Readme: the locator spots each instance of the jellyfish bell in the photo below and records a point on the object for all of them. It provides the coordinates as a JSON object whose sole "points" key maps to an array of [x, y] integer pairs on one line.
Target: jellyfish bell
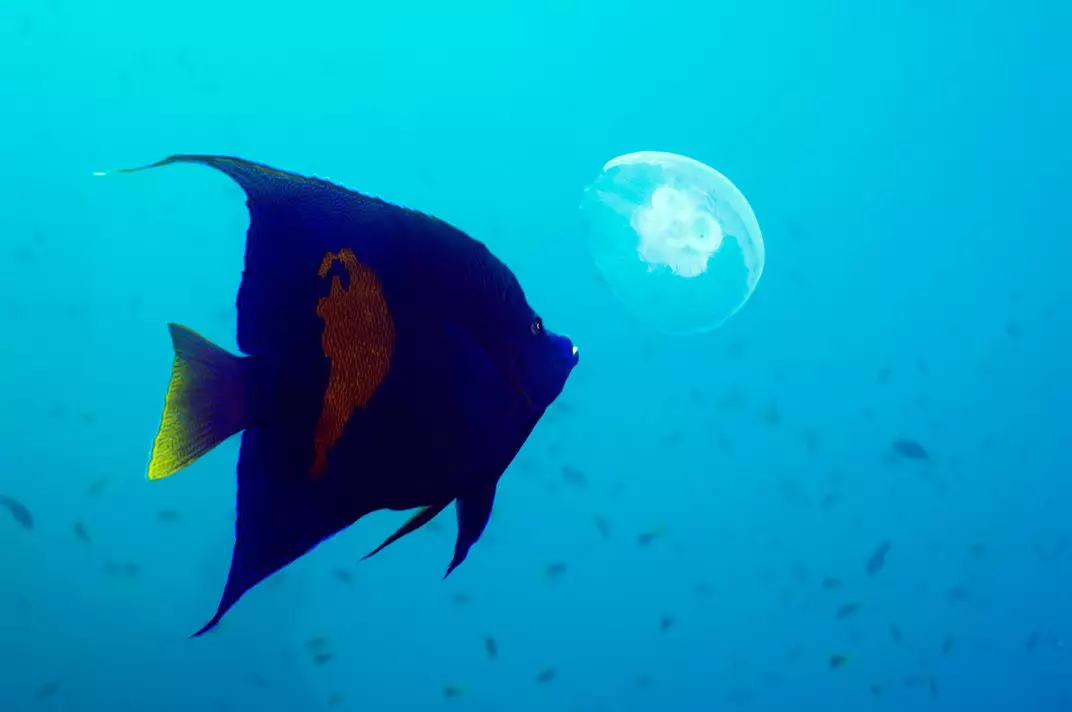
{"points": [[675, 240]]}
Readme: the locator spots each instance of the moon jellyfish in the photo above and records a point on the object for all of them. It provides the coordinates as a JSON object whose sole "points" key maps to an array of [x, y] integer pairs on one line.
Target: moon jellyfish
{"points": [[677, 243]]}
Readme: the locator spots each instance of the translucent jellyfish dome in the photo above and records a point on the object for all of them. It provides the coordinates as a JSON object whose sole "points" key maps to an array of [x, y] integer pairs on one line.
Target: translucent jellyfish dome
{"points": [[675, 240]]}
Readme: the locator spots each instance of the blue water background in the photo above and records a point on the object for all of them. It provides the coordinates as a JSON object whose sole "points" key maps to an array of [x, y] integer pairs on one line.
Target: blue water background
{"points": [[909, 163]]}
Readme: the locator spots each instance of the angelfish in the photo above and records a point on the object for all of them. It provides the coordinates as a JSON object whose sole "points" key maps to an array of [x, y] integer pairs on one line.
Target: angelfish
{"points": [[389, 361]]}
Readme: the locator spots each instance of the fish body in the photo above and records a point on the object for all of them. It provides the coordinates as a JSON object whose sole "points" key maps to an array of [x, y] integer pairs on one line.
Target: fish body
{"points": [[19, 511], [910, 450], [390, 361], [877, 560]]}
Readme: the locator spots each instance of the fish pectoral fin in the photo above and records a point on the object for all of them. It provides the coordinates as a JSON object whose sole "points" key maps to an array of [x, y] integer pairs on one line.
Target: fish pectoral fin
{"points": [[205, 403], [474, 510], [418, 520]]}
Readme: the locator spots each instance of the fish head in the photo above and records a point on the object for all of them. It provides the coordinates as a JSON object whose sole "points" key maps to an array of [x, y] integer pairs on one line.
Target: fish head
{"points": [[544, 361], [532, 360]]}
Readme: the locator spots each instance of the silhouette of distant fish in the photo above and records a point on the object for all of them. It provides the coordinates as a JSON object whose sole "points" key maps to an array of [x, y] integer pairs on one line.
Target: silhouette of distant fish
{"points": [[18, 510], [877, 560], [910, 449]]}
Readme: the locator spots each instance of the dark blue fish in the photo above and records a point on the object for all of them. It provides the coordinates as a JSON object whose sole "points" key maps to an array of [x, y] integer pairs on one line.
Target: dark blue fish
{"points": [[19, 511], [877, 560], [392, 362], [910, 449]]}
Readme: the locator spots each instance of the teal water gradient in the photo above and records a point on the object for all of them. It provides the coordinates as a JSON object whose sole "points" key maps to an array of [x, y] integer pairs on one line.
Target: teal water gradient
{"points": [[909, 165]]}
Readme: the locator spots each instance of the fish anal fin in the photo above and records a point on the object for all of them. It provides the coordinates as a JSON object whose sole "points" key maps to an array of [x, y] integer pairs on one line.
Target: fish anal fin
{"points": [[418, 520], [474, 510], [206, 402], [281, 514]]}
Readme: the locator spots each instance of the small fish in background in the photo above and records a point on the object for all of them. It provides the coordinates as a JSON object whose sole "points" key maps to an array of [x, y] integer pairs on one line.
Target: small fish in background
{"points": [[876, 690], [958, 594], [877, 560], [460, 598], [342, 576], [168, 516], [771, 415], [317, 644], [452, 691], [18, 511], [895, 633], [666, 623], [848, 609], [554, 571], [1031, 642], [603, 526], [390, 361], [335, 699], [81, 532], [837, 660], [947, 644], [128, 569], [47, 689], [574, 476], [910, 450], [1049, 552], [545, 675], [97, 486], [643, 680], [831, 583], [646, 539], [320, 652], [491, 647]]}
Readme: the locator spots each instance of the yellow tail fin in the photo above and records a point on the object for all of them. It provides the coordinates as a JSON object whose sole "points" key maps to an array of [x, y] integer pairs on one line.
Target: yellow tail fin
{"points": [[206, 402]]}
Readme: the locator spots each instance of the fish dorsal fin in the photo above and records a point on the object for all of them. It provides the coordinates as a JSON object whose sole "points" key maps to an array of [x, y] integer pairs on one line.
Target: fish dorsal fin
{"points": [[474, 510], [418, 520], [295, 223]]}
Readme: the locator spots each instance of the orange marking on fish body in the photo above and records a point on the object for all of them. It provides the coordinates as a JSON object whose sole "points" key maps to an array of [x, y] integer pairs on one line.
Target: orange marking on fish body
{"points": [[358, 338]]}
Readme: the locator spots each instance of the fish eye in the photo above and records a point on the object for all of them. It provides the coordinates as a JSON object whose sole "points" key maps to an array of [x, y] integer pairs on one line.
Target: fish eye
{"points": [[537, 326]]}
